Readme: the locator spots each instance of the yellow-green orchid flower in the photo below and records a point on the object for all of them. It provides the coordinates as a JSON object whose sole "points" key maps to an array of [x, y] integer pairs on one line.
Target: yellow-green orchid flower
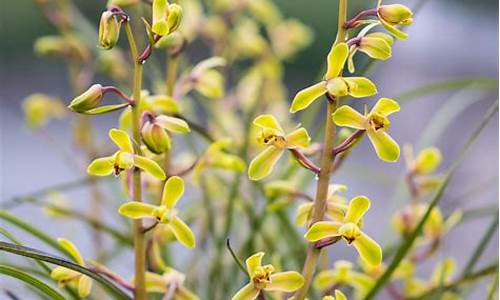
{"points": [[165, 213], [65, 276], [348, 229], [427, 161], [123, 159], [336, 206], [393, 15], [171, 279], [262, 278], [343, 274], [215, 157], [376, 123], [39, 109], [442, 274], [334, 83], [273, 135]]}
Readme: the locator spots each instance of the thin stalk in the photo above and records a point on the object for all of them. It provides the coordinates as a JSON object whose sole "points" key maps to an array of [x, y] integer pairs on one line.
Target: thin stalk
{"points": [[324, 175], [139, 241]]}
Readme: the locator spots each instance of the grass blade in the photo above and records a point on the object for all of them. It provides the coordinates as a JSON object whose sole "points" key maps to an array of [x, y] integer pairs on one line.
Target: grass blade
{"points": [[113, 290], [32, 281], [408, 242]]}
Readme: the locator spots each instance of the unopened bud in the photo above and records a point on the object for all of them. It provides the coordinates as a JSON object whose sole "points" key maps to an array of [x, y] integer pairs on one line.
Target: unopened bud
{"points": [[174, 17], [396, 14], [155, 137], [90, 99], [50, 46], [160, 17], [109, 30]]}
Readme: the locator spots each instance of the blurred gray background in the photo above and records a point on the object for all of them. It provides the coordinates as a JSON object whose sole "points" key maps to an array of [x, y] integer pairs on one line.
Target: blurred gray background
{"points": [[449, 39]]}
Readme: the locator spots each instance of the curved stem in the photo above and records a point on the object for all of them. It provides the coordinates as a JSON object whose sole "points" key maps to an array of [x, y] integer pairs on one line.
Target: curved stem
{"points": [[139, 243], [324, 175]]}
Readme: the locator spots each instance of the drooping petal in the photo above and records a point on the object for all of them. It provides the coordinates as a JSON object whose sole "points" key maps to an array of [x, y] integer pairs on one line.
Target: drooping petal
{"points": [[336, 60], [268, 122], [248, 292], [72, 250], [263, 164], [376, 48], [285, 281], [305, 97], [155, 283], [63, 274], [325, 279], [357, 208], [149, 166], [348, 117], [368, 249], [360, 87], [84, 286], [176, 125], [121, 139], [387, 149], [172, 191], [183, 293], [298, 138], [102, 166], [339, 295], [393, 30], [182, 232], [136, 210], [253, 262], [382, 35], [385, 107], [321, 230], [303, 212]]}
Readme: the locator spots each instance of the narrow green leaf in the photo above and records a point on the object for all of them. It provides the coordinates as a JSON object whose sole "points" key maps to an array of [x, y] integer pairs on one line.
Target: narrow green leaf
{"points": [[111, 288], [410, 239], [49, 291]]}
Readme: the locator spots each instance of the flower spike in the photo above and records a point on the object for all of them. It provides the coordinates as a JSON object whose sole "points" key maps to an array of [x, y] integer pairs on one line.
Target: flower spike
{"points": [[334, 83]]}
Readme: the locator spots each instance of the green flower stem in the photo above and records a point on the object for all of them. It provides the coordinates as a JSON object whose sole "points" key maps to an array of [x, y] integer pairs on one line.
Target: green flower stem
{"points": [[324, 176], [139, 241]]}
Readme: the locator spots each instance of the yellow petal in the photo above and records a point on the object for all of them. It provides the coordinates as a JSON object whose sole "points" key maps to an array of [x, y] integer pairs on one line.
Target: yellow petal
{"points": [[428, 160], [356, 209], [248, 292], [253, 262], [285, 281], [376, 48], [368, 249], [336, 60], [298, 138], [360, 87], [393, 30], [305, 97], [385, 107], [121, 139], [303, 212], [322, 229], [137, 210], [63, 274], [182, 232], [263, 164], [172, 191], [101, 166], [84, 286], [325, 280], [71, 248], [173, 124], [339, 295], [348, 117], [387, 149], [149, 166], [268, 122]]}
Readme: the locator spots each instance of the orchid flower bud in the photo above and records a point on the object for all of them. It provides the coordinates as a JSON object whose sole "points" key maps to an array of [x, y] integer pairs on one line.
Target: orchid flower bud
{"points": [[90, 99], [160, 17], [109, 30], [50, 46], [396, 14], [155, 137], [174, 17]]}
